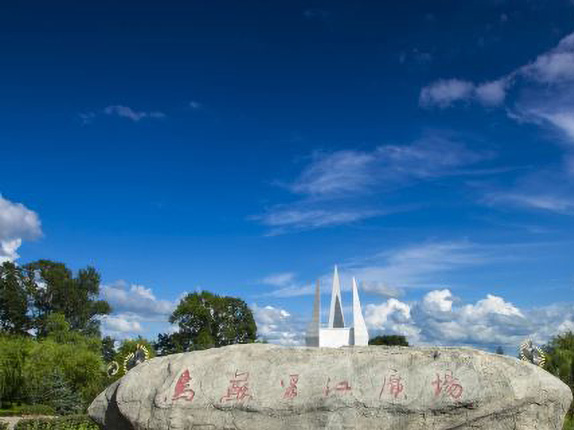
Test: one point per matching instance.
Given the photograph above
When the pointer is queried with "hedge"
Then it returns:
(71, 422)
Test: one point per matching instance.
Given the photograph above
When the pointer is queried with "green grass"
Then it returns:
(19, 410)
(569, 423)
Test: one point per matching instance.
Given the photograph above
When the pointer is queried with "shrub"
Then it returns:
(72, 422)
(80, 367)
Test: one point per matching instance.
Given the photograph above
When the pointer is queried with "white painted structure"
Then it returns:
(336, 334)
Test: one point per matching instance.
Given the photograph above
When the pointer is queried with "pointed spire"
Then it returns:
(336, 319)
(312, 337)
(360, 333)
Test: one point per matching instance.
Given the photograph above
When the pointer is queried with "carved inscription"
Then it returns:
(183, 388)
(392, 385)
(238, 389)
(291, 391)
(342, 387)
(448, 385)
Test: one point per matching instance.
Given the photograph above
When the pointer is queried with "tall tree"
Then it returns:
(206, 320)
(560, 359)
(108, 349)
(390, 340)
(14, 317)
(54, 289)
(170, 343)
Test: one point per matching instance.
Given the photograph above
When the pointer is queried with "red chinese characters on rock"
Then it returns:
(183, 388)
(448, 385)
(238, 389)
(342, 387)
(392, 385)
(291, 391)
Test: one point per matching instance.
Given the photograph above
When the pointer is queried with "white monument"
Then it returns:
(336, 334)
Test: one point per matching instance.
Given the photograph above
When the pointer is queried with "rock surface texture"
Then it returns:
(265, 387)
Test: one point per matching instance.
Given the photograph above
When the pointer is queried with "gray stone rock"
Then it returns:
(244, 387)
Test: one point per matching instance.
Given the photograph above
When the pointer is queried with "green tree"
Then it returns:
(76, 356)
(14, 352)
(14, 317)
(560, 360)
(171, 343)
(108, 349)
(54, 289)
(206, 320)
(56, 391)
(390, 340)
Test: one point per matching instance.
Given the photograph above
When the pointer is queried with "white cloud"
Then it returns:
(195, 105)
(285, 285)
(549, 190)
(421, 265)
(544, 96)
(135, 299)
(554, 66)
(121, 111)
(121, 326)
(492, 93)
(17, 223)
(437, 319)
(279, 279)
(438, 300)
(129, 113)
(338, 172)
(548, 202)
(347, 172)
(388, 273)
(278, 326)
(286, 219)
(332, 184)
(445, 92)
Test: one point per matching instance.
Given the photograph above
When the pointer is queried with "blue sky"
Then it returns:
(246, 147)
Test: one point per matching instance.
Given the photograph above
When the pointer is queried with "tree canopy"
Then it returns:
(560, 359)
(53, 289)
(390, 340)
(207, 320)
(14, 318)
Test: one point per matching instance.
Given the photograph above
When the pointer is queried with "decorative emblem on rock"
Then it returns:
(532, 353)
(113, 368)
(140, 355)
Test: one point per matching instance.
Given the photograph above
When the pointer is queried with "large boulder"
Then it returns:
(244, 387)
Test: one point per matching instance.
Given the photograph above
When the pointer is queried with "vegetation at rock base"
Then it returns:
(390, 340)
(73, 422)
(22, 410)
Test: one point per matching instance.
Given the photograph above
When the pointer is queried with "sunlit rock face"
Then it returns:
(246, 387)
